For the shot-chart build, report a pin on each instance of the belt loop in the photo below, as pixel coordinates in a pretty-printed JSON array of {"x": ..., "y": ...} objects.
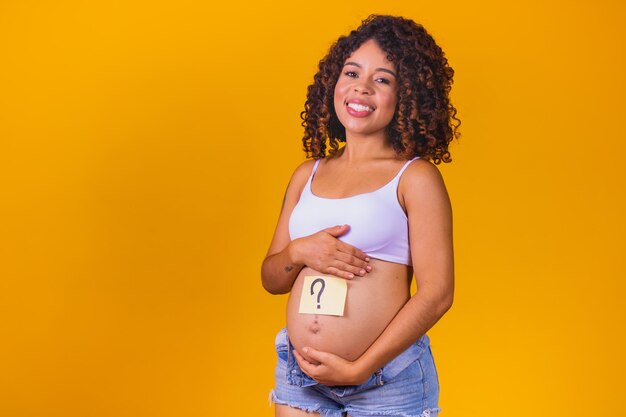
[
  {"x": 293, "y": 375},
  {"x": 379, "y": 377}
]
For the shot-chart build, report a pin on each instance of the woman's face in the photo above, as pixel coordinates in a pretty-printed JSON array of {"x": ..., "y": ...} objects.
[{"x": 366, "y": 91}]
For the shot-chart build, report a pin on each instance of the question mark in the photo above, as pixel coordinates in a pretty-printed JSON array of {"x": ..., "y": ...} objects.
[{"x": 319, "y": 295}]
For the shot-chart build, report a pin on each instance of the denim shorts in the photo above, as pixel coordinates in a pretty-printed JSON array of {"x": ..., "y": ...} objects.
[{"x": 407, "y": 386}]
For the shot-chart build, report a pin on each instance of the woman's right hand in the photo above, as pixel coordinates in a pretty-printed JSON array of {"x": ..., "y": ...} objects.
[{"x": 323, "y": 252}]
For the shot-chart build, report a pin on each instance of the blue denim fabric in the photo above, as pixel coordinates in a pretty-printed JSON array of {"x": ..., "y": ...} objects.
[{"x": 407, "y": 386}]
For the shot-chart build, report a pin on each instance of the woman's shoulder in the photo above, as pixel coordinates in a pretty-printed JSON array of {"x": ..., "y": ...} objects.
[
  {"x": 422, "y": 190},
  {"x": 301, "y": 174},
  {"x": 421, "y": 174},
  {"x": 304, "y": 170}
]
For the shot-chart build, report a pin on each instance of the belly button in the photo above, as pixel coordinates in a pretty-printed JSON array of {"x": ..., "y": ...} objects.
[{"x": 314, "y": 328}]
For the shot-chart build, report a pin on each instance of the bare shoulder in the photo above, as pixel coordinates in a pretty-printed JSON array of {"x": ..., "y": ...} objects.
[
  {"x": 304, "y": 169},
  {"x": 422, "y": 181},
  {"x": 302, "y": 173},
  {"x": 421, "y": 173},
  {"x": 298, "y": 179}
]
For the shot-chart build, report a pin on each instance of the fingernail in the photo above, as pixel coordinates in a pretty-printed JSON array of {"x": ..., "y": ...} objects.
[
  {"x": 350, "y": 275},
  {"x": 362, "y": 272},
  {"x": 367, "y": 259},
  {"x": 369, "y": 268},
  {"x": 305, "y": 350}
]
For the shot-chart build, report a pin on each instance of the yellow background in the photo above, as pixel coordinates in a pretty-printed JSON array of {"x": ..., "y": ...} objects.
[{"x": 144, "y": 150}]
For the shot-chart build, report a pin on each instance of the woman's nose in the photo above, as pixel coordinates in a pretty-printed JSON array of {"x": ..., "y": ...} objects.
[{"x": 363, "y": 88}]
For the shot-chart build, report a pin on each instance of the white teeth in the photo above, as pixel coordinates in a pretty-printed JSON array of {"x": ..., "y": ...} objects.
[{"x": 360, "y": 107}]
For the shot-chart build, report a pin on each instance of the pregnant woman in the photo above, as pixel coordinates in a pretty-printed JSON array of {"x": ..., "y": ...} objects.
[{"x": 359, "y": 221}]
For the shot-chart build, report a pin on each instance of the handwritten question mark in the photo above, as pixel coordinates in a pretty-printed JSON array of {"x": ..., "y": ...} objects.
[{"x": 319, "y": 294}]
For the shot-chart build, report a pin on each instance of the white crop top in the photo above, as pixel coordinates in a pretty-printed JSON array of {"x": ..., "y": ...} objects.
[{"x": 378, "y": 225}]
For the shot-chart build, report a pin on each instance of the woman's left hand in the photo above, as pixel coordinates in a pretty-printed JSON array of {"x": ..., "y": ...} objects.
[{"x": 330, "y": 369}]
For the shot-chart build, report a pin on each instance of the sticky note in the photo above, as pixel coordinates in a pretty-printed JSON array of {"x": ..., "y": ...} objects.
[{"x": 323, "y": 295}]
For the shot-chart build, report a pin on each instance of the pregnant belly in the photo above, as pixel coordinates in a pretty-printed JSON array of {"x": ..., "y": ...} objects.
[{"x": 372, "y": 302}]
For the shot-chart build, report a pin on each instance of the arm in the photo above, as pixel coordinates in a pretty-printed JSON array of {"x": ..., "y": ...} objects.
[
  {"x": 321, "y": 251},
  {"x": 430, "y": 235}
]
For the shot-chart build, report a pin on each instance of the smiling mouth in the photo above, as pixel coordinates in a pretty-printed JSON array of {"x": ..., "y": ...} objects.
[{"x": 360, "y": 107}]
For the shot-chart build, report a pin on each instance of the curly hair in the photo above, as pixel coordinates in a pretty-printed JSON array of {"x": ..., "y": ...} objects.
[{"x": 424, "y": 122}]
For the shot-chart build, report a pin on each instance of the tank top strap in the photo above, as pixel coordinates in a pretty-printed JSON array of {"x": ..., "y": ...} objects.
[
  {"x": 307, "y": 187},
  {"x": 317, "y": 162},
  {"x": 405, "y": 166}
]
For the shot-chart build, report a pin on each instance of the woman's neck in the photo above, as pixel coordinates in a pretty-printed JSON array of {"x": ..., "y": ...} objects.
[{"x": 362, "y": 149}]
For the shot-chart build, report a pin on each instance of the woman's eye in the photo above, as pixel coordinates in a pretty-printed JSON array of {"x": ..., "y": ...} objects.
[
  {"x": 350, "y": 74},
  {"x": 382, "y": 80}
]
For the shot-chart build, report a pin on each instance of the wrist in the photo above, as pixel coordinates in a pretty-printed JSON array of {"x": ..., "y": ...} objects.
[
  {"x": 361, "y": 373},
  {"x": 293, "y": 253},
  {"x": 366, "y": 367}
]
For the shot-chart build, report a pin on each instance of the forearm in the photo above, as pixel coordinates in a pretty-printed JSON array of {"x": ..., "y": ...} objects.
[
  {"x": 279, "y": 271},
  {"x": 430, "y": 235},
  {"x": 417, "y": 316}
]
